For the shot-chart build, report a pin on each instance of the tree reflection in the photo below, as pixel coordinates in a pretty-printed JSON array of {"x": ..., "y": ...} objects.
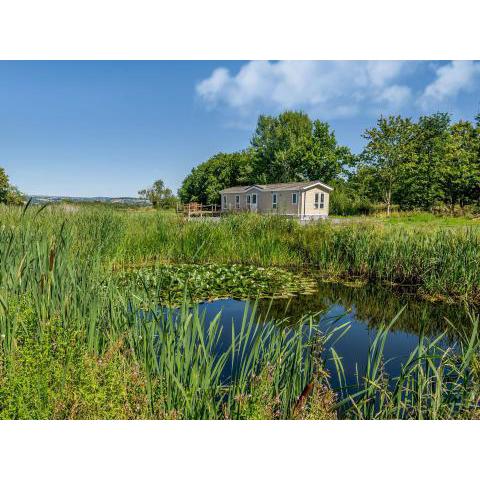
[{"x": 373, "y": 305}]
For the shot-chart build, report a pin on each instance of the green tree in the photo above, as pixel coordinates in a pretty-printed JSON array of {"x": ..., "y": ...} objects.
[
  {"x": 286, "y": 148},
  {"x": 9, "y": 194},
  {"x": 459, "y": 172},
  {"x": 4, "y": 185},
  {"x": 221, "y": 171},
  {"x": 390, "y": 149},
  {"x": 159, "y": 195},
  {"x": 290, "y": 147},
  {"x": 418, "y": 180}
]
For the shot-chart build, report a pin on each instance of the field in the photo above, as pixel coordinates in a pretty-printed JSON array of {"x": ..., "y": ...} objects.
[{"x": 98, "y": 315}]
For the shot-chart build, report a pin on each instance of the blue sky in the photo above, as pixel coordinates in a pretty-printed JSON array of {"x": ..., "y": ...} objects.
[{"x": 111, "y": 128}]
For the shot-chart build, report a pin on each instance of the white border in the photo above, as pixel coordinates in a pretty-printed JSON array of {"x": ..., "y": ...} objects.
[
  {"x": 251, "y": 29},
  {"x": 239, "y": 450}
]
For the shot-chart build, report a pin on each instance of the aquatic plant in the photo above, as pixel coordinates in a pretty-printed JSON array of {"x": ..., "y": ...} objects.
[
  {"x": 435, "y": 382},
  {"x": 77, "y": 343},
  {"x": 441, "y": 262},
  {"x": 168, "y": 283}
]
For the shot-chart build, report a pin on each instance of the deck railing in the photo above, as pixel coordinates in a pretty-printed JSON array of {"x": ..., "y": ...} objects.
[{"x": 198, "y": 209}]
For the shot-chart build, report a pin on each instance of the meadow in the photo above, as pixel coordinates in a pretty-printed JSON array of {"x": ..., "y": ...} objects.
[{"x": 83, "y": 337}]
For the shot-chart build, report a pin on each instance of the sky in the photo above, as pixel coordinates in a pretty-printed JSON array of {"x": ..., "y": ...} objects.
[{"x": 101, "y": 128}]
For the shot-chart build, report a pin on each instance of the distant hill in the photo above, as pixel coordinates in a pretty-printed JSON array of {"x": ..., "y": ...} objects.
[{"x": 41, "y": 199}]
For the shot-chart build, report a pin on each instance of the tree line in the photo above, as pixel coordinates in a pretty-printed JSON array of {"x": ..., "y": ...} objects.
[{"x": 425, "y": 164}]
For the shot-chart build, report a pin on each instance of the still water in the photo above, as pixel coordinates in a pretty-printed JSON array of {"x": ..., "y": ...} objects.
[{"x": 364, "y": 309}]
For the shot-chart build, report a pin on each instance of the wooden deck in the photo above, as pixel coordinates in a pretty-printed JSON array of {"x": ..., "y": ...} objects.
[{"x": 199, "y": 210}]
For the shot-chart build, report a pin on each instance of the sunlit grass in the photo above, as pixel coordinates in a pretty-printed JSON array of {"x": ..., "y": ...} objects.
[{"x": 74, "y": 343}]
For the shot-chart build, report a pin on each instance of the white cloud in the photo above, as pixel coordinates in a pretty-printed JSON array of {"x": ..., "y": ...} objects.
[
  {"x": 381, "y": 72},
  {"x": 331, "y": 89},
  {"x": 395, "y": 95},
  {"x": 450, "y": 80}
]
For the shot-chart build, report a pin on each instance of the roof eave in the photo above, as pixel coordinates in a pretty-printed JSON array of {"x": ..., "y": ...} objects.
[{"x": 327, "y": 187}]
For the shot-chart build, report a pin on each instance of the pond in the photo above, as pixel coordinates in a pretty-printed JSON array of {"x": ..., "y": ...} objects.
[{"x": 364, "y": 309}]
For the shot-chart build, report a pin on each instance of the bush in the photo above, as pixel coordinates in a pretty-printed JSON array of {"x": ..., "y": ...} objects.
[{"x": 346, "y": 202}]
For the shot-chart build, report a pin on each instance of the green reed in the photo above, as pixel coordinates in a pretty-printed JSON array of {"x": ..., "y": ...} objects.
[
  {"x": 439, "y": 262},
  {"x": 75, "y": 344},
  {"x": 435, "y": 382}
]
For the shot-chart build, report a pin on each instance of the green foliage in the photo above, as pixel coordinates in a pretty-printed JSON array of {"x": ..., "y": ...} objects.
[
  {"x": 159, "y": 195},
  {"x": 76, "y": 343},
  {"x": 170, "y": 283},
  {"x": 420, "y": 165},
  {"x": 286, "y": 148},
  {"x": 291, "y": 147},
  {"x": 222, "y": 170},
  {"x": 9, "y": 194},
  {"x": 421, "y": 174},
  {"x": 459, "y": 173},
  {"x": 388, "y": 152},
  {"x": 348, "y": 200},
  {"x": 49, "y": 374}
]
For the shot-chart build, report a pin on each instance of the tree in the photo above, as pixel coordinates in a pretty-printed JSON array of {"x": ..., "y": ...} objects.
[
  {"x": 290, "y": 147},
  {"x": 9, "y": 194},
  {"x": 459, "y": 172},
  {"x": 4, "y": 186},
  {"x": 286, "y": 148},
  {"x": 159, "y": 195},
  {"x": 390, "y": 147},
  {"x": 221, "y": 171},
  {"x": 418, "y": 178}
]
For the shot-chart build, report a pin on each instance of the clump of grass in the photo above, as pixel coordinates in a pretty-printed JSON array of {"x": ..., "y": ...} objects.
[{"x": 49, "y": 374}]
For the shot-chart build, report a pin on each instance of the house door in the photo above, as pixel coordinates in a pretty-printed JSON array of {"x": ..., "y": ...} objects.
[
  {"x": 253, "y": 205},
  {"x": 249, "y": 202}
]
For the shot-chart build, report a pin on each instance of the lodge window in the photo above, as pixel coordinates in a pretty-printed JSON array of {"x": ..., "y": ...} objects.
[
  {"x": 254, "y": 198},
  {"x": 224, "y": 201},
  {"x": 322, "y": 200},
  {"x": 294, "y": 198},
  {"x": 315, "y": 203},
  {"x": 274, "y": 200},
  {"x": 237, "y": 201}
]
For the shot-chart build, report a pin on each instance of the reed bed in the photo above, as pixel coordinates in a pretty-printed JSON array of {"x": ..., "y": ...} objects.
[
  {"x": 75, "y": 344},
  {"x": 440, "y": 263}
]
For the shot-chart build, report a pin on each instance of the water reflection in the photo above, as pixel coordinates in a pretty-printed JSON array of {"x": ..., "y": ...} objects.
[
  {"x": 373, "y": 306},
  {"x": 365, "y": 308}
]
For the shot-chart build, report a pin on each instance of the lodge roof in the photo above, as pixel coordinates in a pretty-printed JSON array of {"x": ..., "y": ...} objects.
[{"x": 274, "y": 187}]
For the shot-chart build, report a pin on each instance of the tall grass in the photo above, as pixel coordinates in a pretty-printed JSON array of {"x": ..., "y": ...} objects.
[
  {"x": 435, "y": 382},
  {"x": 73, "y": 344},
  {"x": 438, "y": 262}
]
